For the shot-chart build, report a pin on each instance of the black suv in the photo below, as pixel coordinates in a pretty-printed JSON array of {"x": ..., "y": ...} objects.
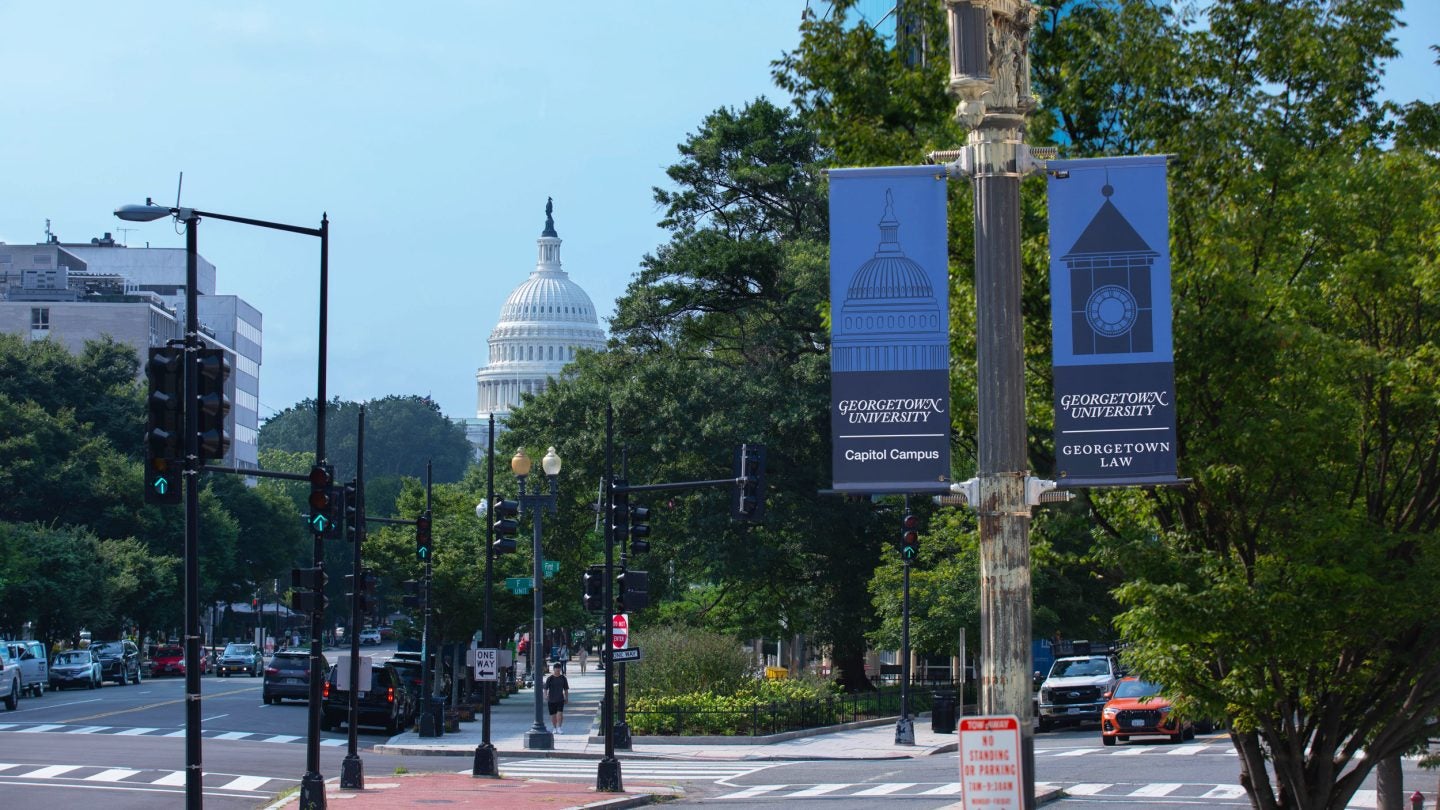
[
  {"x": 387, "y": 703},
  {"x": 287, "y": 676},
  {"x": 119, "y": 660}
]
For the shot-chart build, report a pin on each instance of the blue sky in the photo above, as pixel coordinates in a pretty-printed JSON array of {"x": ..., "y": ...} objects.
[{"x": 431, "y": 134}]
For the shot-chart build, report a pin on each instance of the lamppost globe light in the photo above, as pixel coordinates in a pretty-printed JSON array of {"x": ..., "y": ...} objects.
[
  {"x": 142, "y": 213},
  {"x": 551, "y": 462},
  {"x": 520, "y": 463},
  {"x": 482, "y": 509}
]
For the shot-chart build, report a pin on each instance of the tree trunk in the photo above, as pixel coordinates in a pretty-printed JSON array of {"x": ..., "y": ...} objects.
[{"x": 1389, "y": 784}]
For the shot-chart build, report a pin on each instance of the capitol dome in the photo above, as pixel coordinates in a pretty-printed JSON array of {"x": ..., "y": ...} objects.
[
  {"x": 543, "y": 324},
  {"x": 890, "y": 318}
]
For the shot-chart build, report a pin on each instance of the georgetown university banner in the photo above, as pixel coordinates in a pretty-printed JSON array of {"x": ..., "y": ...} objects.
[
  {"x": 1110, "y": 307},
  {"x": 890, "y": 324}
]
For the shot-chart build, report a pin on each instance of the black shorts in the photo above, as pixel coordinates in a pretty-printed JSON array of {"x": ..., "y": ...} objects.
[{"x": 556, "y": 706}]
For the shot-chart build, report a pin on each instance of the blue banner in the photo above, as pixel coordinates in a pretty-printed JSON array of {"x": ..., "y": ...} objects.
[
  {"x": 1110, "y": 308},
  {"x": 890, "y": 330}
]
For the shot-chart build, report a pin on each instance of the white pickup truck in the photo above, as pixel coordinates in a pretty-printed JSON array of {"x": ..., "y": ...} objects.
[
  {"x": 1076, "y": 689},
  {"x": 34, "y": 665}
]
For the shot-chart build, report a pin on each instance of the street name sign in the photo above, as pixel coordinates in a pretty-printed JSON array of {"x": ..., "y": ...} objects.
[
  {"x": 990, "y": 766},
  {"x": 487, "y": 664},
  {"x": 628, "y": 654}
]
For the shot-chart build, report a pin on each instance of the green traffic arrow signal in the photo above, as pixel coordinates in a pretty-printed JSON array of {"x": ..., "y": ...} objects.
[
  {"x": 160, "y": 485},
  {"x": 319, "y": 522},
  {"x": 907, "y": 552},
  {"x": 421, "y": 551}
]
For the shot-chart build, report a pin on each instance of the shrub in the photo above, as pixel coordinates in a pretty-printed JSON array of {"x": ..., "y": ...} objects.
[
  {"x": 755, "y": 707},
  {"x": 681, "y": 661}
]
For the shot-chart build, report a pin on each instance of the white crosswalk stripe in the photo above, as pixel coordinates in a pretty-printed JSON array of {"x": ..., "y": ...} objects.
[
  {"x": 111, "y": 775},
  {"x": 634, "y": 768}
]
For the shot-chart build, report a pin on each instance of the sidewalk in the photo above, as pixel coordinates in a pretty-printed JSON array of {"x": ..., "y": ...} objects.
[{"x": 515, "y": 715}]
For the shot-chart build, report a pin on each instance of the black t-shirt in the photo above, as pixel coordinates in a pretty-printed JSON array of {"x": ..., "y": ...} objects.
[{"x": 555, "y": 688}]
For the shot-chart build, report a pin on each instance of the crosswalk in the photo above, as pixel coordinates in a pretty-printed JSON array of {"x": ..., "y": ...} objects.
[
  {"x": 222, "y": 784},
  {"x": 633, "y": 769},
  {"x": 125, "y": 731},
  {"x": 1141, "y": 794}
]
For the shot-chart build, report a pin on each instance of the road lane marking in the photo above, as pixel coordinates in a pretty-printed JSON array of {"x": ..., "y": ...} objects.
[
  {"x": 134, "y": 732},
  {"x": 49, "y": 772},
  {"x": 753, "y": 790},
  {"x": 250, "y": 783},
  {"x": 1129, "y": 752},
  {"x": 1188, "y": 750},
  {"x": 86, "y": 730},
  {"x": 948, "y": 789},
  {"x": 1087, "y": 788},
  {"x": 153, "y": 705},
  {"x": 233, "y": 735},
  {"x": 881, "y": 790},
  {"x": 1078, "y": 752},
  {"x": 285, "y": 738},
  {"x": 1157, "y": 789},
  {"x": 112, "y": 775},
  {"x": 216, "y": 717},
  {"x": 52, "y": 706},
  {"x": 819, "y": 790},
  {"x": 1225, "y": 792},
  {"x": 173, "y": 779},
  {"x": 37, "y": 729},
  {"x": 181, "y": 733}
]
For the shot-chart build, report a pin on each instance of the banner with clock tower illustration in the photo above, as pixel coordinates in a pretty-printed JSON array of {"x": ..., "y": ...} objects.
[{"x": 1110, "y": 308}]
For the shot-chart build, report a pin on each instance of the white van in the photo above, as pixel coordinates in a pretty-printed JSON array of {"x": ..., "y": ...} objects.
[{"x": 34, "y": 665}]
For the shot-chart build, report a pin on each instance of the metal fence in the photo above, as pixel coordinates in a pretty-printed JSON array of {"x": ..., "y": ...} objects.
[{"x": 773, "y": 718}]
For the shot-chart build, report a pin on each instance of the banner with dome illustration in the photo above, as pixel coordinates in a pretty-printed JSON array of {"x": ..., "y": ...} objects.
[
  {"x": 889, "y": 328},
  {"x": 1110, "y": 308}
]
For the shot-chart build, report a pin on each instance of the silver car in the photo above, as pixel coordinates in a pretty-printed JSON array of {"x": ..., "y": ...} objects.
[{"x": 243, "y": 658}]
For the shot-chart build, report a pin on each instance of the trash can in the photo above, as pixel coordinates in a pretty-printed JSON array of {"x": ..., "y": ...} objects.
[{"x": 942, "y": 712}]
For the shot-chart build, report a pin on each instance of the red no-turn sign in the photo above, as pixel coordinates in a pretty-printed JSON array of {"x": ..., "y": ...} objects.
[{"x": 620, "y": 636}]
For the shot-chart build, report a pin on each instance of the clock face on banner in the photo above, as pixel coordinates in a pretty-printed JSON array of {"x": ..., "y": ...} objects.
[{"x": 620, "y": 636}]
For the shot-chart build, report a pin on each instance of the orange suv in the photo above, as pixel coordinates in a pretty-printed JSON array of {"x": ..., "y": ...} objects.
[{"x": 1138, "y": 709}]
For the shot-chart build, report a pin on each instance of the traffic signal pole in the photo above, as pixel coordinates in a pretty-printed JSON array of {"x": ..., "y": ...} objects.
[
  {"x": 312, "y": 784},
  {"x": 486, "y": 763},
  {"x": 352, "y": 769},
  {"x": 194, "y": 787},
  {"x": 608, "y": 778}
]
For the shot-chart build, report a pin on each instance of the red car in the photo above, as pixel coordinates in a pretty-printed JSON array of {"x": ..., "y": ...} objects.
[
  {"x": 1138, "y": 709},
  {"x": 170, "y": 660}
]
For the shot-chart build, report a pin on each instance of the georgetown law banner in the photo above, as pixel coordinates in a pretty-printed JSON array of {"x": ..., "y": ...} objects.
[
  {"x": 890, "y": 323},
  {"x": 1110, "y": 307}
]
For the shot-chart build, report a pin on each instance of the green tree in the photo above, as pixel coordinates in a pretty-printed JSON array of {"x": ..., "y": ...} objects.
[{"x": 55, "y": 578}]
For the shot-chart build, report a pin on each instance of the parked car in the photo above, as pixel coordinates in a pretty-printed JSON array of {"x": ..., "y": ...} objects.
[
  {"x": 76, "y": 668},
  {"x": 1138, "y": 709},
  {"x": 243, "y": 658},
  {"x": 370, "y": 635},
  {"x": 287, "y": 676},
  {"x": 386, "y": 703},
  {"x": 34, "y": 665},
  {"x": 119, "y": 660},
  {"x": 169, "y": 659},
  {"x": 9, "y": 678},
  {"x": 408, "y": 665}
]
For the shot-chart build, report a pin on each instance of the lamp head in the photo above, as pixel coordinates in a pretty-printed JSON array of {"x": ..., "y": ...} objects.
[
  {"x": 142, "y": 213},
  {"x": 482, "y": 509},
  {"x": 551, "y": 462},
  {"x": 520, "y": 463}
]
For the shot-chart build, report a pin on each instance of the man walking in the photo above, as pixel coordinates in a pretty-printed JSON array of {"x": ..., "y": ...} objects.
[{"x": 557, "y": 692}]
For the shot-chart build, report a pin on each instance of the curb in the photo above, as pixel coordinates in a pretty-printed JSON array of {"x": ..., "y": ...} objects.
[{"x": 466, "y": 751}]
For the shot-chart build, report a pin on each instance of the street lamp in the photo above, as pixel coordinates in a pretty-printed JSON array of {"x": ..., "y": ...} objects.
[
  {"x": 990, "y": 79},
  {"x": 312, "y": 785},
  {"x": 538, "y": 503}
]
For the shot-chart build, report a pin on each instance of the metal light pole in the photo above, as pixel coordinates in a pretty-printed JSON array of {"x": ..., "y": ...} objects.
[
  {"x": 537, "y": 504},
  {"x": 312, "y": 791},
  {"x": 990, "y": 76},
  {"x": 428, "y": 677},
  {"x": 905, "y": 726},
  {"x": 486, "y": 763}
]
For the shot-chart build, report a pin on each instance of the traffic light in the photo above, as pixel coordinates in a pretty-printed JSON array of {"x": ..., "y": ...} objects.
[
  {"x": 639, "y": 529},
  {"x": 749, "y": 496},
  {"x": 634, "y": 590},
  {"x": 307, "y": 593},
  {"x": 212, "y": 369},
  {"x": 507, "y": 525},
  {"x": 619, "y": 511},
  {"x": 593, "y": 589},
  {"x": 423, "y": 546},
  {"x": 323, "y": 517},
  {"x": 909, "y": 536},
  {"x": 412, "y": 593},
  {"x": 165, "y": 424},
  {"x": 350, "y": 509},
  {"x": 367, "y": 589}
]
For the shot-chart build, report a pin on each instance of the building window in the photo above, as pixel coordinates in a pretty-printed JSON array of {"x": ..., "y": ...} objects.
[{"x": 39, "y": 319}]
